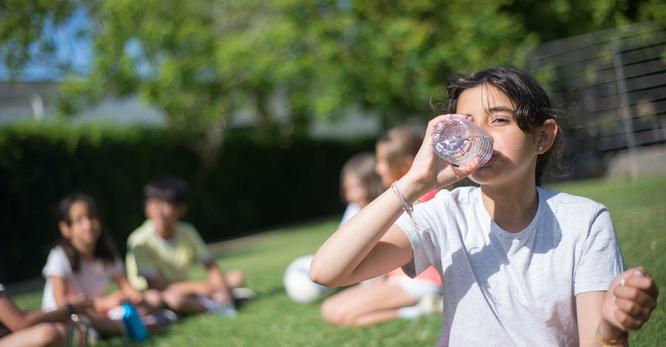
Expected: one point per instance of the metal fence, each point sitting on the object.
(615, 83)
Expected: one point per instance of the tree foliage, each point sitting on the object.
(200, 60)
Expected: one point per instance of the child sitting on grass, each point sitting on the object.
(35, 329)
(163, 250)
(83, 265)
(395, 295)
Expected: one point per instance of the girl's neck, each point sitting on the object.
(84, 253)
(511, 208)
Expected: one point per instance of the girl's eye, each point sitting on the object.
(500, 120)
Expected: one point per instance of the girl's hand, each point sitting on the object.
(81, 303)
(98, 304)
(135, 297)
(429, 171)
(630, 299)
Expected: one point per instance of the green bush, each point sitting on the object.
(258, 182)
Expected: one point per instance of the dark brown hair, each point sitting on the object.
(400, 142)
(170, 189)
(104, 248)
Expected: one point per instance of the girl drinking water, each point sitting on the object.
(84, 263)
(522, 265)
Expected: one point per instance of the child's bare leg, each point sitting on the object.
(234, 278)
(44, 334)
(106, 326)
(203, 288)
(152, 301)
(376, 317)
(356, 306)
(181, 299)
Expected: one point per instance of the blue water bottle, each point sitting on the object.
(136, 331)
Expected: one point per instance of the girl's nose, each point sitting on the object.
(86, 223)
(164, 210)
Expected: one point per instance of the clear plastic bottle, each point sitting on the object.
(458, 141)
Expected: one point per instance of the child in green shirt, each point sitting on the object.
(161, 252)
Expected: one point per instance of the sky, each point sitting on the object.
(70, 48)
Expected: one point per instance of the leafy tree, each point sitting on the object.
(200, 61)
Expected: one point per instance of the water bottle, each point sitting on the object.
(134, 327)
(79, 333)
(458, 141)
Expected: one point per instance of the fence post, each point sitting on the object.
(625, 113)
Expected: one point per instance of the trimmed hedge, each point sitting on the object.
(258, 182)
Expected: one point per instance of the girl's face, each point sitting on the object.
(387, 171)
(354, 190)
(83, 230)
(514, 151)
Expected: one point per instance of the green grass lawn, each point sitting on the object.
(638, 210)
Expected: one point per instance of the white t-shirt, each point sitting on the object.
(513, 289)
(351, 210)
(91, 280)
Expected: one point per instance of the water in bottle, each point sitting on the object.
(458, 141)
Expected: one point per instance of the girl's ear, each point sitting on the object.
(64, 229)
(546, 136)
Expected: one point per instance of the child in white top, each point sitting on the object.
(522, 265)
(83, 265)
(359, 183)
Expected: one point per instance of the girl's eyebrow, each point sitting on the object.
(500, 109)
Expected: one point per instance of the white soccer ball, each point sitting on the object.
(298, 284)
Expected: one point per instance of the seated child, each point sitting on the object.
(33, 329)
(84, 263)
(523, 265)
(359, 183)
(163, 250)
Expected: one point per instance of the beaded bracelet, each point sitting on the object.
(618, 341)
(406, 206)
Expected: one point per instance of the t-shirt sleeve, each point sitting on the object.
(601, 259)
(57, 264)
(201, 251)
(424, 245)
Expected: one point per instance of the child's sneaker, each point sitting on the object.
(226, 311)
(165, 317)
(242, 295)
(159, 320)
